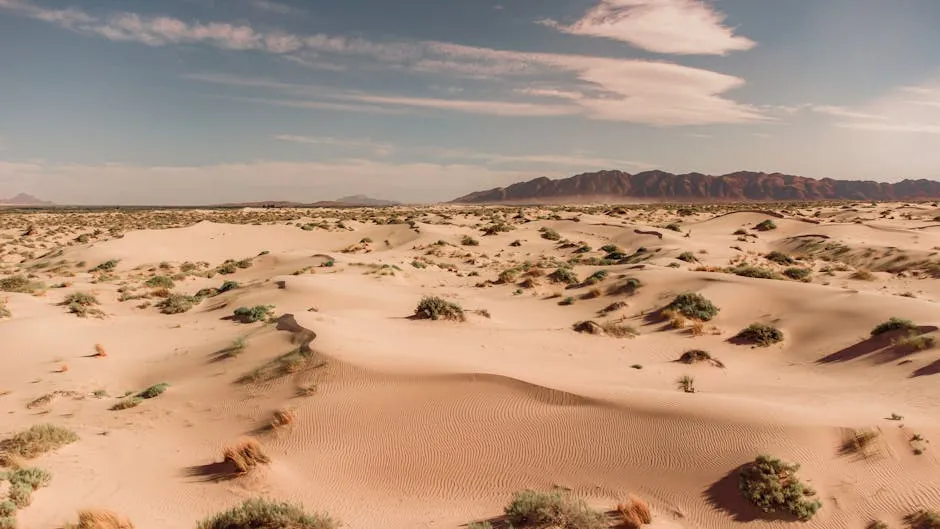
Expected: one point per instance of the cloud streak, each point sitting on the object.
(684, 27)
(599, 88)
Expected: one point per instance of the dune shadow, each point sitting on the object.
(929, 369)
(302, 335)
(883, 342)
(725, 495)
(219, 471)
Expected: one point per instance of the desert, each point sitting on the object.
(405, 367)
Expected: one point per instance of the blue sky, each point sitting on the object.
(205, 101)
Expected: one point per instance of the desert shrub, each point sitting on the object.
(755, 272)
(564, 275)
(160, 282)
(177, 303)
(799, 274)
(498, 227)
(863, 275)
(686, 383)
(550, 234)
(106, 266)
(740, 231)
(693, 305)
(474, 525)
(127, 403)
(20, 284)
(688, 257)
(100, 519)
(694, 356)
(37, 440)
(435, 308)
(259, 513)
(893, 324)
(153, 391)
(923, 519)
(760, 334)
(228, 285)
(858, 441)
(4, 311)
(876, 524)
(619, 330)
(674, 226)
(610, 248)
(282, 417)
(253, 314)
(627, 286)
(83, 299)
(772, 486)
(23, 482)
(779, 258)
(245, 455)
(467, 240)
(567, 301)
(634, 513)
(596, 277)
(915, 343)
(529, 509)
(766, 225)
(7, 508)
(508, 275)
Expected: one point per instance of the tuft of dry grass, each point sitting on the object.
(858, 442)
(863, 275)
(634, 513)
(100, 519)
(37, 440)
(282, 417)
(245, 454)
(674, 319)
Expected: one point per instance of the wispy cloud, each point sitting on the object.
(843, 112)
(378, 148)
(907, 109)
(665, 26)
(570, 161)
(274, 7)
(657, 93)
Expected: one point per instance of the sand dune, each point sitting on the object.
(401, 423)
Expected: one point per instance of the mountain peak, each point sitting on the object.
(23, 199)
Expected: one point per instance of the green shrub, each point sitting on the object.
(7, 508)
(611, 248)
(760, 334)
(923, 519)
(688, 257)
(127, 403)
(106, 266)
(674, 226)
(37, 440)
(766, 225)
(628, 286)
(228, 285)
(177, 303)
(565, 275)
(798, 274)
(153, 391)
(253, 314)
(83, 299)
(529, 509)
(23, 482)
(596, 277)
(779, 258)
(693, 305)
(550, 234)
(893, 324)
(259, 513)
(160, 282)
(772, 486)
(435, 308)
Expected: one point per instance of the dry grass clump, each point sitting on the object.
(863, 275)
(634, 513)
(761, 334)
(436, 308)
(176, 303)
(772, 486)
(530, 509)
(37, 440)
(674, 319)
(893, 324)
(282, 417)
(694, 356)
(100, 519)
(153, 391)
(693, 305)
(259, 513)
(564, 275)
(858, 442)
(19, 283)
(4, 311)
(245, 455)
(127, 403)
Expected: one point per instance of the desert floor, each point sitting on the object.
(399, 423)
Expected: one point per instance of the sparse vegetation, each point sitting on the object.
(37, 440)
(100, 519)
(693, 305)
(779, 258)
(695, 356)
(858, 442)
(564, 275)
(893, 324)
(154, 391)
(127, 403)
(160, 282)
(761, 334)
(20, 284)
(634, 513)
(797, 273)
(772, 486)
(265, 514)
(177, 303)
(436, 308)
(530, 509)
(923, 519)
(686, 383)
(550, 234)
(253, 314)
(765, 225)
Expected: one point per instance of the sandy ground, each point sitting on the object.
(433, 424)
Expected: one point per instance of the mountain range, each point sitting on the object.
(656, 186)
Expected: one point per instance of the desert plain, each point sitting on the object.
(414, 367)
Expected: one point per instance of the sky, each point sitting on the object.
(208, 101)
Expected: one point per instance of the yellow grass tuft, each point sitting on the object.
(634, 513)
(100, 519)
(282, 417)
(246, 454)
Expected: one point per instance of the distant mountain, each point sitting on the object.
(24, 200)
(363, 200)
(661, 186)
